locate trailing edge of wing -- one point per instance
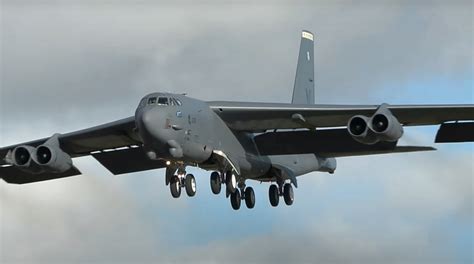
(325, 143)
(12, 174)
(127, 160)
(455, 132)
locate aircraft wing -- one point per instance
(325, 143)
(115, 145)
(79, 143)
(259, 117)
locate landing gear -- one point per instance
(175, 186)
(216, 182)
(274, 195)
(231, 181)
(242, 193)
(177, 182)
(190, 185)
(249, 196)
(288, 194)
(282, 189)
(235, 199)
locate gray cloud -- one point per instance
(69, 66)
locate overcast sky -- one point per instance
(66, 65)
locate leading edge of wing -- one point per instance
(264, 116)
(81, 142)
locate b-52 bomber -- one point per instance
(237, 141)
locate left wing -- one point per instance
(329, 143)
(258, 117)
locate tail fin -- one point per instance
(303, 91)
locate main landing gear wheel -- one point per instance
(175, 186)
(190, 185)
(231, 181)
(273, 195)
(216, 182)
(249, 195)
(288, 194)
(235, 199)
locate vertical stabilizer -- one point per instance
(303, 91)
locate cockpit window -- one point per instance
(151, 100)
(163, 101)
(178, 102)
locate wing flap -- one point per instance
(12, 174)
(455, 132)
(324, 143)
(127, 160)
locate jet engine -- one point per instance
(52, 159)
(386, 127)
(22, 157)
(382, 126)
(359, 129)
(45, 158)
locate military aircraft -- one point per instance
(237, 141)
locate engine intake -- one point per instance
(47, 157)
(51, 158)
(385, 125)
(22, 157)
(382, 126)
(358, 127)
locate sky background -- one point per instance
(66, 65)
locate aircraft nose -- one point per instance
(148, 122)
(152, 125)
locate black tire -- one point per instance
(175, 187)
(288, 194)
(273, 195)
(249, 197)
(235, 200)
(216, 182)
(190, 185)
(231, 181)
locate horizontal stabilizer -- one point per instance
(455, 132)
(12, 174)
(127, 160)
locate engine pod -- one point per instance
(385, 125)
(22, 157)
(358, 128)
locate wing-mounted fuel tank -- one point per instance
(48, 157)
(382, 126)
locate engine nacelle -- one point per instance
(386, 127)
(22, 158)
(359, 129)
(45, 158)
(52, 159)
(382, 126)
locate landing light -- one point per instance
(168, 163)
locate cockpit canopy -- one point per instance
(160, 100)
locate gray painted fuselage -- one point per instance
(191, 132)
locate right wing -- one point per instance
(115, 145)
(111, 135)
